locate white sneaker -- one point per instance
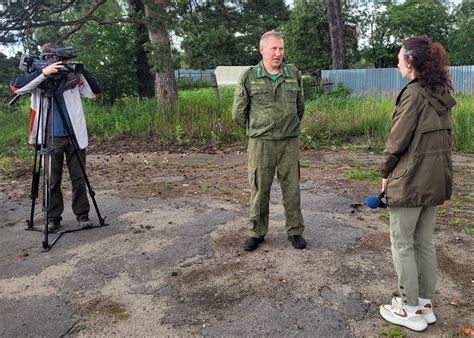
(427, 310)
(398, 314)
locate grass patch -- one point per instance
(393, 332)
(455, 221)
(384, 216)
(469, 230)
(358, 175)
(116, 311)
(204, 187)
(441, 213)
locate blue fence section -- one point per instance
(194, 74)
(388, 81)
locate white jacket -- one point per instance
(72, 98)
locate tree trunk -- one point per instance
(165, 81)
(145, 79)
(336, 30)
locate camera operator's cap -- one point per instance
(48, 49)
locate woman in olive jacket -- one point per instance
(417, 176)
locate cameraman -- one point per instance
(69, 87)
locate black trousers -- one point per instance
(80, 203)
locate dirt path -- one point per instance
(171, 260)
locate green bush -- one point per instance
(340, 90)
(311, 87)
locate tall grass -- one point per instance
(194, 119)
(341, 119)
(332, 120)
(463, 123)
(14, 124)
(197, 114)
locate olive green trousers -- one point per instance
(413, 252)
(264, 156)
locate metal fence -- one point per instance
(388, 81)
(194, 74)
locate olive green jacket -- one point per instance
(269, 110)
(417, 155)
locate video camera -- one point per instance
(30, 63)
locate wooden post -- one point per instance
(216, 96)
(214, 86)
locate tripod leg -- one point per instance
(46, 198)
(73, 140)
(36, 170)
(34, 187)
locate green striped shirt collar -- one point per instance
(260, 71)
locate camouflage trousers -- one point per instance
(264, 156)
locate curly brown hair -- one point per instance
(429, 60)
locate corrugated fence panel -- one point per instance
(193, 74)
(388, 81)
(463, 79)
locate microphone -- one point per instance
(374, 202)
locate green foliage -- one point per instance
(366, 175)
(308, 46)
(374, 26)
(8, 71)
(340, 90)
(226, 32)
(14, 135)
(194, 118)
(387, 23)
(107, 52)
(211, 49)
(469, 230)
(178, 133)
(463, 123)
(345, 118)
(186, 83)
(460, 46)
(204, 187)
(312, 88)
(329, 120)
(413, 17)
(455, 221)
(393, 332)
(384, 216)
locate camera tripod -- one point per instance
(44, 150)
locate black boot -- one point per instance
(297, 241)
(251, 243)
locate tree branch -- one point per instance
(100, 21)
(31, 17)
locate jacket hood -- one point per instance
(440, 99)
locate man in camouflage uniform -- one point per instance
(269, 103)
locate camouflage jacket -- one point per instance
(268, 109)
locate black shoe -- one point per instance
(84, 221)
(54, 226)
(297, 241)
(251, 243)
